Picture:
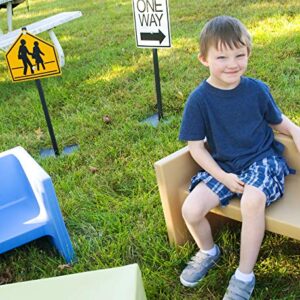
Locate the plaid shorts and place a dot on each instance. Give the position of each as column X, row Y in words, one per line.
column 267, row 175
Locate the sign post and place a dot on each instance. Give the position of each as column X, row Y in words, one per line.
column 152, row 30
column 31, row 58
column 47, row 116
column 157, row 84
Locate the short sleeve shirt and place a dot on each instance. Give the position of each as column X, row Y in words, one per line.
column 235, row 123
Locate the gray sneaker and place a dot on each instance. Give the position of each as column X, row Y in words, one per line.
column 198, row 267
column 239, row 290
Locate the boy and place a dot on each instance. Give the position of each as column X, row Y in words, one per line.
column 236, row 115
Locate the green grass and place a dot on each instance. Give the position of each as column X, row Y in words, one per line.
column 114, row 215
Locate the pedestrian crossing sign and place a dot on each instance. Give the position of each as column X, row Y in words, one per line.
column 31, row 58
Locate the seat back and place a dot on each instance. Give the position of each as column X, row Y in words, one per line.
column 14, row 185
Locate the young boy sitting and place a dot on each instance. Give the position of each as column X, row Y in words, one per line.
column 236, row 115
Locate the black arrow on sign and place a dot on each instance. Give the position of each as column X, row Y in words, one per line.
column 153, row 36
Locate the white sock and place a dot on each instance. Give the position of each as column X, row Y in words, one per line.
column 243, row 277
column 211, row 252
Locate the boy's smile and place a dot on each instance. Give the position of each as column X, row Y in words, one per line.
column 226, row 65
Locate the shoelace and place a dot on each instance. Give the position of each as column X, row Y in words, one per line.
column 198, row 259
column 237, row 291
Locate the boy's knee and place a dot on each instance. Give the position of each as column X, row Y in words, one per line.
column 192, row 213
column 253, row 202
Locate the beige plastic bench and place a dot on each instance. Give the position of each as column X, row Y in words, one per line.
column 173, row 176
column 122, row 283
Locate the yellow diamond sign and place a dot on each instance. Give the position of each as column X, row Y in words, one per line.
column 31, row 58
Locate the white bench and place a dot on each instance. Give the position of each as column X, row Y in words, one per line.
column 9, row 7
column 48, row 24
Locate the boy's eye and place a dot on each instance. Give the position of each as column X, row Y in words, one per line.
column 221, row 57
column 241, row 55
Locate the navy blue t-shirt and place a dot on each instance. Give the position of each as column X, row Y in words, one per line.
column 235, row 123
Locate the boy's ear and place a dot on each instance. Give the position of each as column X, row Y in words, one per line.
column 203, row 60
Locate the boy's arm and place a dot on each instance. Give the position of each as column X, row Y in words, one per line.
column 289, row 128
column 206, row 161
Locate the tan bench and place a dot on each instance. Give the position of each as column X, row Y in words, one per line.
column 173, row 176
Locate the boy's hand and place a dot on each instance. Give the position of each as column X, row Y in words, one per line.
column 233, row 183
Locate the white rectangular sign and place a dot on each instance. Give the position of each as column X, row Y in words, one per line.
column 152, row 28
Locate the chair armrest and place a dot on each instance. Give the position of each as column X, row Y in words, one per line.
column 29, row 165
column 173, row 176
column 175, row 169
column 291, row 153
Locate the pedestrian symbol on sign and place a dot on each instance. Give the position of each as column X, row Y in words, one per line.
column 23, row 55
column 36, row 54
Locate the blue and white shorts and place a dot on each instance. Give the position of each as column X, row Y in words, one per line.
column 267, row 175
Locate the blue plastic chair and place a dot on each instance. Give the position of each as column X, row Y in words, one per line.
column 28, row 205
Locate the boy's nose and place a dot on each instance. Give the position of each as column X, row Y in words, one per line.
column 232, row 64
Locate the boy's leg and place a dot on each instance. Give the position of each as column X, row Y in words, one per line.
column 253, row 205
column 196, row 206
column 199, row 202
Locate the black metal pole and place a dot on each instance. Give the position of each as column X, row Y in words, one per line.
column 47, row 116
column 157, row 83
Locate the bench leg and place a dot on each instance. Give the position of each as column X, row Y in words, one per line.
column 58, row 48
column 9, row 16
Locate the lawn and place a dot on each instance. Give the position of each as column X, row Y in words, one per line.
column 107, row 190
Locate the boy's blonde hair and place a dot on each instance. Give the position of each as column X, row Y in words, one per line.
column 224, row 31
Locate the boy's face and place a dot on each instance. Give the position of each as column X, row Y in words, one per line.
column 226, row 66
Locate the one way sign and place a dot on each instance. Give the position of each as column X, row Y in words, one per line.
column 152, row 28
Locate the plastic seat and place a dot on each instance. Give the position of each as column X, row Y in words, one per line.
column 28, row 205
column 121, row 283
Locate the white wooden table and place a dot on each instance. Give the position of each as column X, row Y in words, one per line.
column 47, row 24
